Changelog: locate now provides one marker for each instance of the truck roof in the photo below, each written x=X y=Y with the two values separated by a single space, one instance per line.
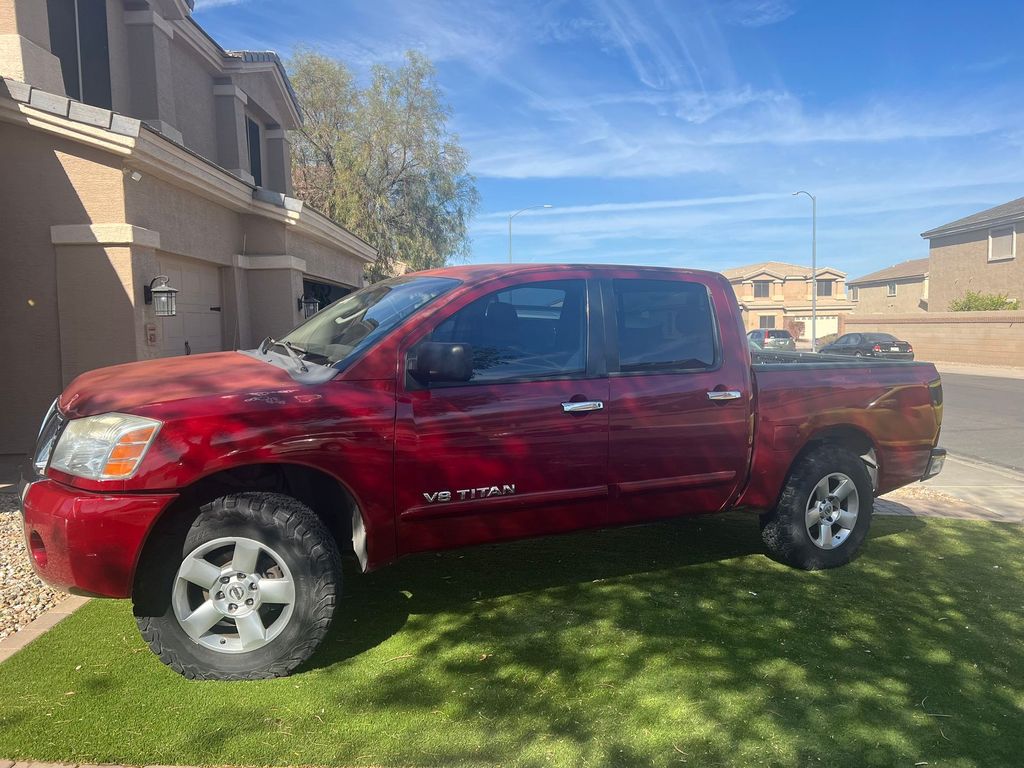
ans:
x=474 y=272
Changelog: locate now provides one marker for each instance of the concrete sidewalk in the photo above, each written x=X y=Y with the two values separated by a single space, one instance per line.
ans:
x=999 y=371
x=997 y=490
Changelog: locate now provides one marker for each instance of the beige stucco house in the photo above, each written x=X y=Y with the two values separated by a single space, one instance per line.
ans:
x=774 y=294
x=902 y=287
x=981 y=252
x=131 y=146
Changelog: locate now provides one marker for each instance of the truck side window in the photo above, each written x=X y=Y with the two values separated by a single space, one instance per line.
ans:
x=531 y=331
x=664 y=325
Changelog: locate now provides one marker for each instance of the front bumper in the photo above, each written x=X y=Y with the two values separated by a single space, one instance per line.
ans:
x=935 y=463
x=86 y=543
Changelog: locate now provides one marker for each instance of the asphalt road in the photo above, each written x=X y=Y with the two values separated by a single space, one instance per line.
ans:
x=983 y=419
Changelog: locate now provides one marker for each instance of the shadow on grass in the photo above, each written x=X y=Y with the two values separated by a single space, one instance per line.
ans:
x=377 y=605
x=636 y=646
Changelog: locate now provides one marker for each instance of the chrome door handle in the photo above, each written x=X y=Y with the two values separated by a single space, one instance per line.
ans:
x=583 y=407
x=730 y=394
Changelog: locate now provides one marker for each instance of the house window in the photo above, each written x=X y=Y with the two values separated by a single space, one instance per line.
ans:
x=1001 y=244
x=890 y=289
x=766 y=321
x=78 y=38
x=762 y=289
x=854 y=293
x=252 y=132
x=824 y=287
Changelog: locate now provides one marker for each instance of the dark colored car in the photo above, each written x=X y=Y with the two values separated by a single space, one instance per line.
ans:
x=870 y=345
x=769 y=338
x=443 y=409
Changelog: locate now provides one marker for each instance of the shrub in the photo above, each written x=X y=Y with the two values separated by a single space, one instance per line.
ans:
x=974 y=301
x=827 y=339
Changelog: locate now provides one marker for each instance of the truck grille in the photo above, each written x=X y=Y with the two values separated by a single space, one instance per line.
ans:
x=48 y=434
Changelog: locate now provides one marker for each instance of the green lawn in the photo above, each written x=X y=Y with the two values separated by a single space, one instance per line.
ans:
x=655 y=645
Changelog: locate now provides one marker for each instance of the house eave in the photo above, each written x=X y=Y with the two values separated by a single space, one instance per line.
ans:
x=862 y=283
x=982 y=226
x=151 y=152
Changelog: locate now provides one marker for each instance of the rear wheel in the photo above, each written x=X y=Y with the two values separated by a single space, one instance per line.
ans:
x=824 y=513
x=249 y=593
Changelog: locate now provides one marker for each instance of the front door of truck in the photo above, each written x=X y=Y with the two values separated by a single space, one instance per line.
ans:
x=522 y=447
x=680 y=404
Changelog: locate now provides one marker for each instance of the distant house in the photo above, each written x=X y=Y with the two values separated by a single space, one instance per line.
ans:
x=902 y=287
x=774 y=294
x=977 y=253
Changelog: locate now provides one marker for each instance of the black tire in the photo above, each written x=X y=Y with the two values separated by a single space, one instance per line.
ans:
x=296 y=536
x=784 y=529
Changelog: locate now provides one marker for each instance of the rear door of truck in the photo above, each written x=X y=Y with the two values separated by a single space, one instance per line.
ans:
x=680 y=395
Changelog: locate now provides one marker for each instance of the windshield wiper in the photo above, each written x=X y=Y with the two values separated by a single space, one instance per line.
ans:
x=293 y=351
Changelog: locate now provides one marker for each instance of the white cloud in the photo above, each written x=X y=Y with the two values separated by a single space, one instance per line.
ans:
x=205 y=5
x=756 y=13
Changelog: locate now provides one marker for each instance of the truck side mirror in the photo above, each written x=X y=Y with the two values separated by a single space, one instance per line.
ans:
x=437 y=361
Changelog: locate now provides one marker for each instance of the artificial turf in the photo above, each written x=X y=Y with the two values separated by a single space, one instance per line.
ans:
x=666 y=644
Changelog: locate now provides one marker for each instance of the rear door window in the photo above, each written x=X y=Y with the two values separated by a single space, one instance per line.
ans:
x=664 y=325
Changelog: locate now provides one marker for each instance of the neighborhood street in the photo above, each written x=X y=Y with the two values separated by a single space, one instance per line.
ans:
x=983 y=430
x=983 y=419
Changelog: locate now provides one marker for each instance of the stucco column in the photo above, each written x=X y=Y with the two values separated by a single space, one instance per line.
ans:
x=235 y=291
x=229 y=109
x=101 y=271
x=277 y=175
x=151 y=76
x=273 y=302
x=25 y=45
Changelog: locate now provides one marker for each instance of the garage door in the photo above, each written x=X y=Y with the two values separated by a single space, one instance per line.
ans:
x=827 y=324
x=197 y=326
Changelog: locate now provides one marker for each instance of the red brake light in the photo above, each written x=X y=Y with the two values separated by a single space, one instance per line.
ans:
x=876 y=348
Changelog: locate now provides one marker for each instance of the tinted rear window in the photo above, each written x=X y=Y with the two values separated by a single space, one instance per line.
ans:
x=879 y=337
x=777 y=334
x=664 y=325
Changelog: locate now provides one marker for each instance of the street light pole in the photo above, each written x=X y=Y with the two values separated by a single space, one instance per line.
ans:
x=814 y=268
x=512 y=216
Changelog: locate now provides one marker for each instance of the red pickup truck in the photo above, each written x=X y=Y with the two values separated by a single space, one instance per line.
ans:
x=444 y=409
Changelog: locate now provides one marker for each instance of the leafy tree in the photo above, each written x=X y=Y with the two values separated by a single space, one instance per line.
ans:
x=974 y=301
x=381 y=160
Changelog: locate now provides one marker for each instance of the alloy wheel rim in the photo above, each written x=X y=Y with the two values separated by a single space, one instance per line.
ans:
x=831 y=513
x=233 y=595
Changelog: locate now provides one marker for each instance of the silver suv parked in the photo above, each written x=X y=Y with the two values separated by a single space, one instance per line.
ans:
x=769 y=338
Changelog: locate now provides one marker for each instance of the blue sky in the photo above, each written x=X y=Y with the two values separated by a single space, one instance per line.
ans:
x=674 y=132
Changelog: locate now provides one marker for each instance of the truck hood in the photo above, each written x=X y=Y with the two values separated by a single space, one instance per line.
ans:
x=127 y=388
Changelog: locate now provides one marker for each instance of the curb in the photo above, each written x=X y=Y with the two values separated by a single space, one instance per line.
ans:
x=972 y=369
x=37 y=628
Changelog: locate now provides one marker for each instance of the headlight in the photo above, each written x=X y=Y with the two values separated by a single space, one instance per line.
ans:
x=106 y=447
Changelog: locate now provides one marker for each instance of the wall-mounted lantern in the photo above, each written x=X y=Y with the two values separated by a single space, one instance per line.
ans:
x=307 y=306
x=162 y=296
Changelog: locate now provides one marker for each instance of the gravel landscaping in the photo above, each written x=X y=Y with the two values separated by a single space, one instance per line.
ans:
x=23 y=596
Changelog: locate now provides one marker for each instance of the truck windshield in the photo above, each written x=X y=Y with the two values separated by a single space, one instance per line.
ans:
x=341 y=330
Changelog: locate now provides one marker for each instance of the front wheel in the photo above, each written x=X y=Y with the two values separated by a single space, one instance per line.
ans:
x=824 y=513
x=249 y=594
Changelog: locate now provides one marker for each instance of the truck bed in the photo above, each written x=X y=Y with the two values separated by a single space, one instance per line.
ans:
x=893 y=408
x=783 y=360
